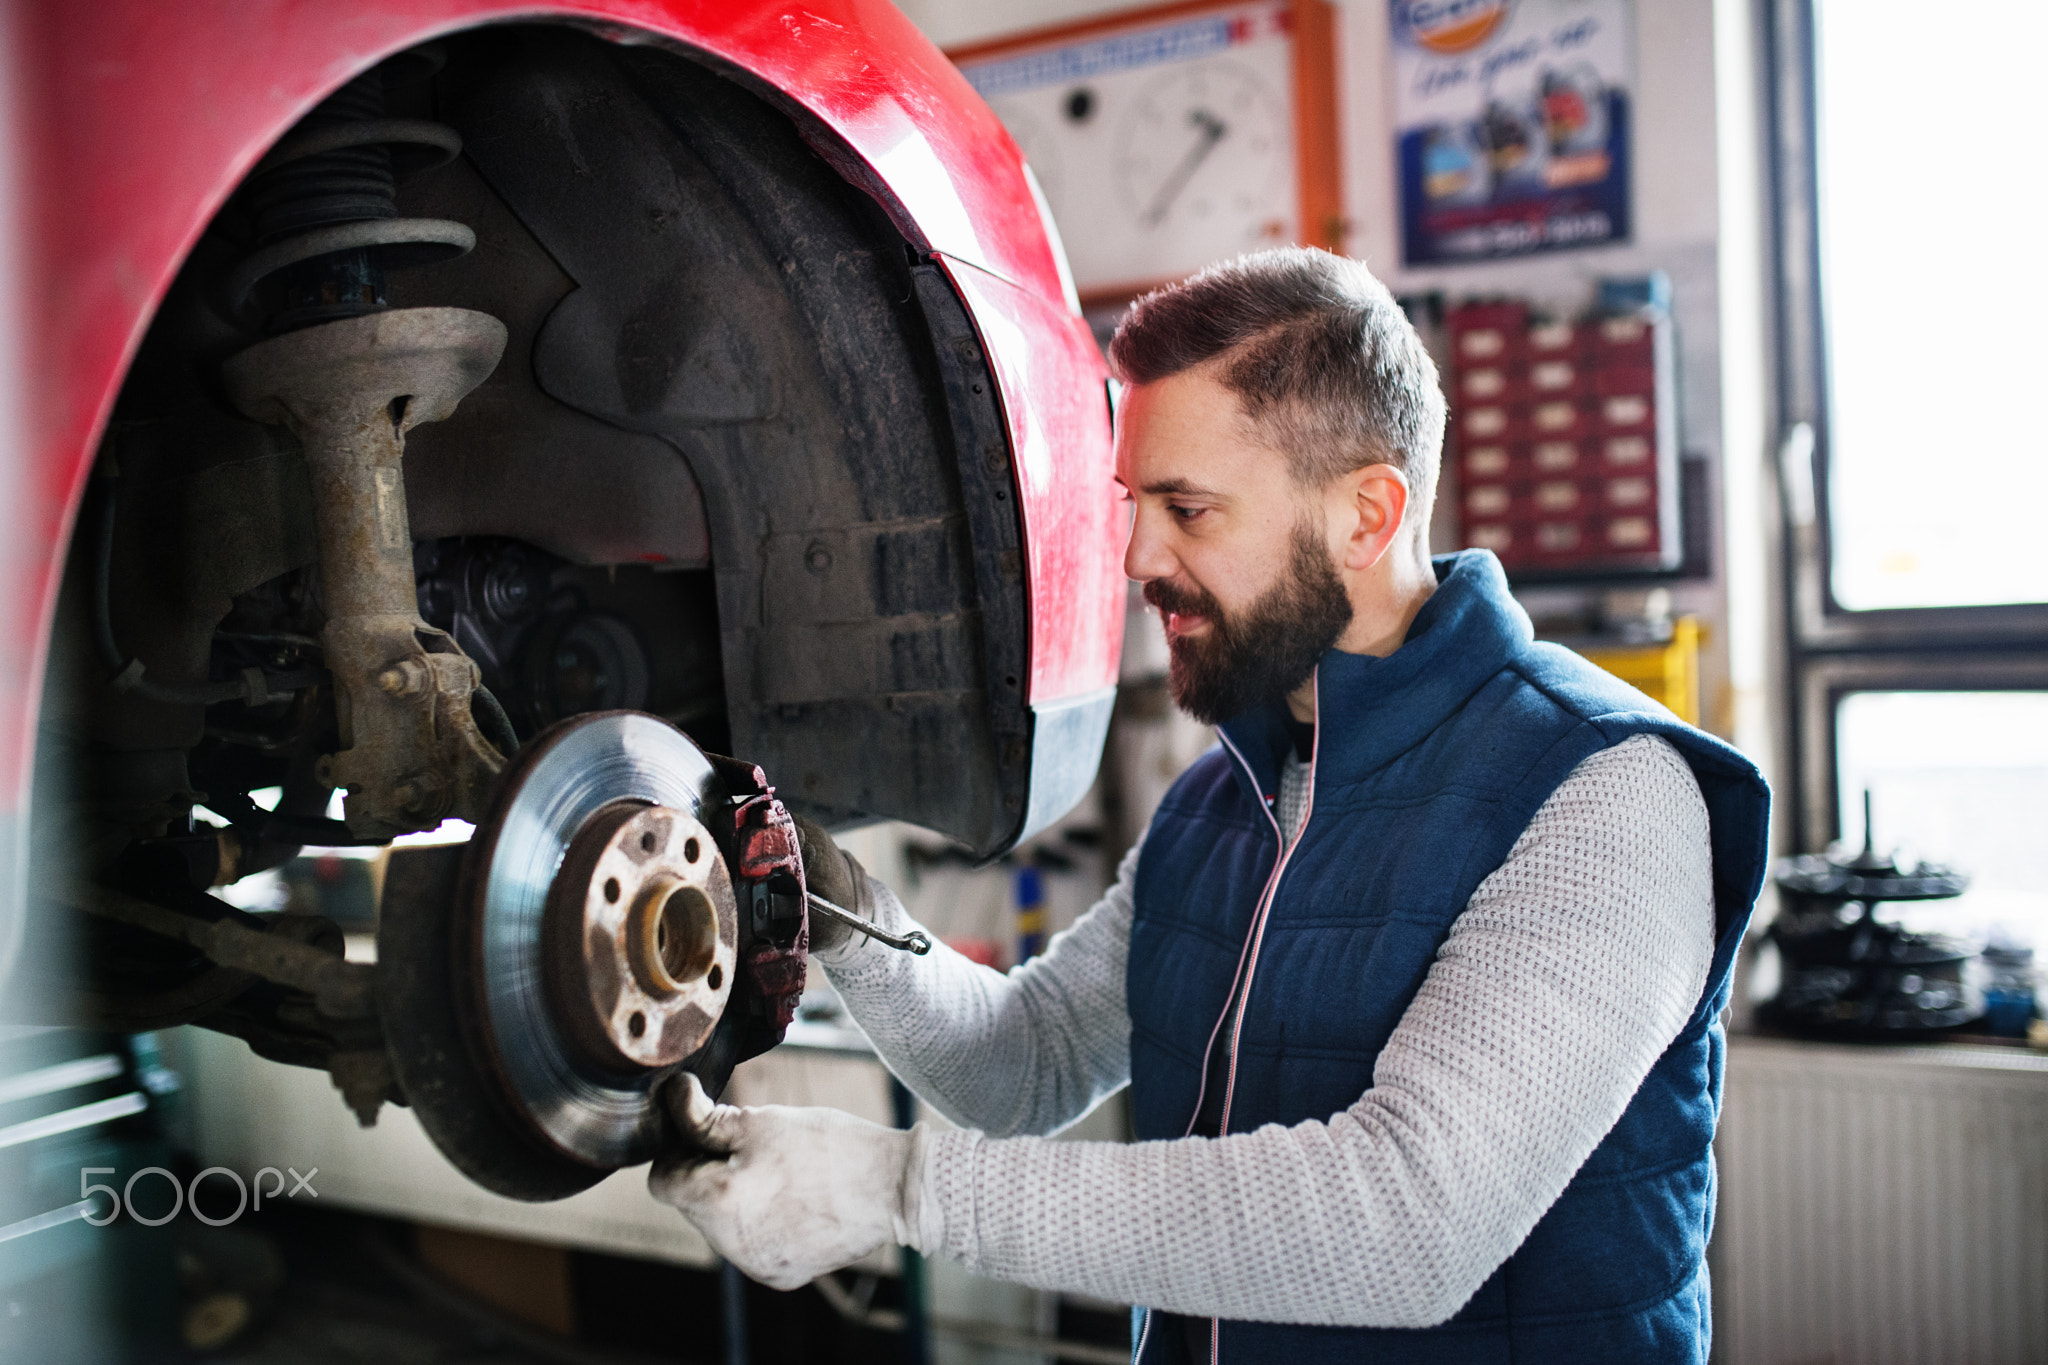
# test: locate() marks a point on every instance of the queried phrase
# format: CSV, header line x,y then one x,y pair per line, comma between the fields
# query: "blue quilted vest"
x,y
1429,764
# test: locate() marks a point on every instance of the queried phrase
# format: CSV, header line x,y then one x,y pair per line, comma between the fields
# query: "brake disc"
x,y
587,952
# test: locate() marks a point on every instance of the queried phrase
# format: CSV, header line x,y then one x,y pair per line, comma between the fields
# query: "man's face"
x,y
1229,549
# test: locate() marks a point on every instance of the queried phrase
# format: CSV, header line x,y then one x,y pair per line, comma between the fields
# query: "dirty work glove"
x,y
787,1194
835,874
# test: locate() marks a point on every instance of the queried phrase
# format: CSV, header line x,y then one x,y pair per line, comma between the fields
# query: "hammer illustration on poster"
x,y
1512,118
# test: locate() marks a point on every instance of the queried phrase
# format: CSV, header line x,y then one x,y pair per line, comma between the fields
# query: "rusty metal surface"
x,y
642,932
341,988
332,1017
411,754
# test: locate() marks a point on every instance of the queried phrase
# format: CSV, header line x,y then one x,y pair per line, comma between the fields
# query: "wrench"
x,y
916,941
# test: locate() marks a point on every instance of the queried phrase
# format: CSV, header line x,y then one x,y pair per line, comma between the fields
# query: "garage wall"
x,y
1678,217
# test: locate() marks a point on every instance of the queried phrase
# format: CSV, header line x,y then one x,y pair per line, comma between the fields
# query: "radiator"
x,y
1882,1206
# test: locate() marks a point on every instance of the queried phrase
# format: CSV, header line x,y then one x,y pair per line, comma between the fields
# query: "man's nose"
x,y
1146,557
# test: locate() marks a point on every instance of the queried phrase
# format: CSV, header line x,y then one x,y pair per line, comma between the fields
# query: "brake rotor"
x,y
586,953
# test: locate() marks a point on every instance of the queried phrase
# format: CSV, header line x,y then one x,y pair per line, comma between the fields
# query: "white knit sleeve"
x,y
1028,1051
1569,972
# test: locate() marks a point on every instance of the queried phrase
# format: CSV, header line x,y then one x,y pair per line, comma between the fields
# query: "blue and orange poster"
x,y
1513,126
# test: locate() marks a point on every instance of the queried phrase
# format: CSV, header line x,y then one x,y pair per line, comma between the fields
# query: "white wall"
x,y
956,23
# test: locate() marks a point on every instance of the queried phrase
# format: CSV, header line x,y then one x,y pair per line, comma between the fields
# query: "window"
x,y
1963,778
1934,301
1913,329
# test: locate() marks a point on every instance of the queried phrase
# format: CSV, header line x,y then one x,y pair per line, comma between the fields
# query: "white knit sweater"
x,y
1571,969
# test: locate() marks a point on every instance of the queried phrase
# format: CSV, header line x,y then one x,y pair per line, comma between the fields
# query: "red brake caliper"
x,y
768,879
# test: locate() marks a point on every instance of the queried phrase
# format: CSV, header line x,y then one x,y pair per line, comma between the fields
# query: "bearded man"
x,y
1415,978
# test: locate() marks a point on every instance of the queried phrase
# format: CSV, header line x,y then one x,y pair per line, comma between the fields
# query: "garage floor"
x,y
356,1291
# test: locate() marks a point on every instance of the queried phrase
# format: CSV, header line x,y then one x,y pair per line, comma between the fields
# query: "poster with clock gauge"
x,y
1168,138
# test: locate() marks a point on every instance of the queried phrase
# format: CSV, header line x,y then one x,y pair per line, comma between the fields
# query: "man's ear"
x,y
1378,510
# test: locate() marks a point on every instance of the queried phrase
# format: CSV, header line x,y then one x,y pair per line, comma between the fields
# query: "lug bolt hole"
x,y
690,851
637,1025
648,841
717,977
611,890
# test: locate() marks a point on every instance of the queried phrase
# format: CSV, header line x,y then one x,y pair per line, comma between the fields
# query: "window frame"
x,y
1828,678
1831,650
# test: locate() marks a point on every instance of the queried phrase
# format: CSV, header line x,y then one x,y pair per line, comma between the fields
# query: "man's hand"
x,y
834,874
786,1194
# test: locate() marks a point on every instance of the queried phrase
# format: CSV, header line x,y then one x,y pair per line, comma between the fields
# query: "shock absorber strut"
x,y
349,376
325,203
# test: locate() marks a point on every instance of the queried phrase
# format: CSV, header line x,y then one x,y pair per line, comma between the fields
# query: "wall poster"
x,y
1513,125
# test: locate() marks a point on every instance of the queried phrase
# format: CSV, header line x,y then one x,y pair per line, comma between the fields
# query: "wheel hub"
x,y
641,933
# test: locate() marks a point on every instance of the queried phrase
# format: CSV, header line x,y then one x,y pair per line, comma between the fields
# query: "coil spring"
x,y
325,202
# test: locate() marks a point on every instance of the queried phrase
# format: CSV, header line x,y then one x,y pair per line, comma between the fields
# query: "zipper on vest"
x,y
1248,956
1243,995
1237,973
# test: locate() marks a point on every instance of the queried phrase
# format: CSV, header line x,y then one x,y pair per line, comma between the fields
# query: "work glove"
x,y
830,871
787,1194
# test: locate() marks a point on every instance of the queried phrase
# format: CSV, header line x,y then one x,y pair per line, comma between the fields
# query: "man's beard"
x,y
1268,651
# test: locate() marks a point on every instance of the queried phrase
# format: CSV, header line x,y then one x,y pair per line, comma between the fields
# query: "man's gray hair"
x,y
1329,369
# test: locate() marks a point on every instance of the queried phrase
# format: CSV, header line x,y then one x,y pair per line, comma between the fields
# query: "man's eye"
x,y
1185,513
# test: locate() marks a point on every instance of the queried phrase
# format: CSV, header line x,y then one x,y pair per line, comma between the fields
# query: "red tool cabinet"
x,y
1565,439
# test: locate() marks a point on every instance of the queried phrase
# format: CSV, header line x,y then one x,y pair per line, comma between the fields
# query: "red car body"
x,y
132,121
